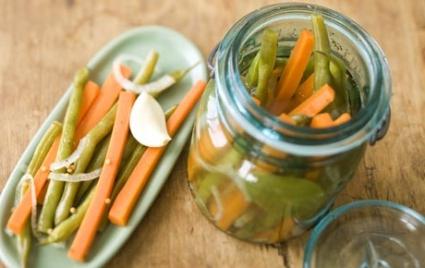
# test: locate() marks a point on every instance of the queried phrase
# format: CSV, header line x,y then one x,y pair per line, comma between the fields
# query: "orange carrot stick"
x,y
91,90
256,100
322,120
344,118
129,194
107,96
316,102
303,92
42,195
233,204
293,71
286,118
86,233
22,211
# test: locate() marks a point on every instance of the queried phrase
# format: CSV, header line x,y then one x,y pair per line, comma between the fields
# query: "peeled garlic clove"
x,y
147,122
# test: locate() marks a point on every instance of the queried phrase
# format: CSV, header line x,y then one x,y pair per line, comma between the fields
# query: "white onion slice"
x,y
147,122
29,178
72,158
75,177
154,87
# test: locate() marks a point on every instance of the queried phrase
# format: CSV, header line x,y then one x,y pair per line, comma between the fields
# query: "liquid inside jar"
x,y
254,191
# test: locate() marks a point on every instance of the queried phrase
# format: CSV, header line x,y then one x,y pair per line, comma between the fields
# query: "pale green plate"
x,y
176,52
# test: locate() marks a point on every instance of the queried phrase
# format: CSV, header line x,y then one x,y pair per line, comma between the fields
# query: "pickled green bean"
x,y
147,70
309,69
268,51
271,86
95,163
252,76
129,147
43,147
322,51
66,228
281,62
345,97
55,188
95,135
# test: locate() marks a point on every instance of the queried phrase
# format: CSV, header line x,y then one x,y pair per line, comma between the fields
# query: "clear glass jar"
x,y
258,178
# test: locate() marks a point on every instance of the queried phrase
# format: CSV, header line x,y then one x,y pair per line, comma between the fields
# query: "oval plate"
x,y
176,52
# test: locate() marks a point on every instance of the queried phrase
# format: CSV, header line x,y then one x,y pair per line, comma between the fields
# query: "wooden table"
x,y
43,42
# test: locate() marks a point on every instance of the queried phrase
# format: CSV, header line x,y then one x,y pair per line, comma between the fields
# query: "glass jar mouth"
x,y
266,127
346,210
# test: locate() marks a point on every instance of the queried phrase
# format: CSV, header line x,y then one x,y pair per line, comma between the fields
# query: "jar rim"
x,y
302,140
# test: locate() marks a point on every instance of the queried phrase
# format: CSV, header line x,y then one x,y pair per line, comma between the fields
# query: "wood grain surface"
x,y
43,42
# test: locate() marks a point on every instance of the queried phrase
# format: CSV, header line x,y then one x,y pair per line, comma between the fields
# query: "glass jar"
x,y
261,179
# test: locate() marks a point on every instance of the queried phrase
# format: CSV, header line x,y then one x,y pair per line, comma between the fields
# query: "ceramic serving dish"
x,y
176,52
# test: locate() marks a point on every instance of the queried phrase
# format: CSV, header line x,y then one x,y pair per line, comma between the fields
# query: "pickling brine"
x,y
284,123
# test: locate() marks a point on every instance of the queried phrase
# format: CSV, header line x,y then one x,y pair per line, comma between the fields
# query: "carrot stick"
x,y
286,118
343,118
91,90
233,204
316,102
322,120
256,100
107,96
87,231
129,194
22,211
293,71
304,91
40,197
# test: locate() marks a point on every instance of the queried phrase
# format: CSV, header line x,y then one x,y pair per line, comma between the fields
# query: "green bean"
x,y
43,147
252,75
266,63
129,147
95,135
179,74
95,163
66,228
281,62
146,72
271,86
23,240
127,167
322,51
309,69
343,88
55,188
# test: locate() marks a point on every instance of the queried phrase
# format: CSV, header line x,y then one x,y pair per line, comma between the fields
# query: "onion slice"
x,y
30,179
147,122
75,177
72,158
154,87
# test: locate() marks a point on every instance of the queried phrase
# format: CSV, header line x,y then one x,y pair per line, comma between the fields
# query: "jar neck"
x,y
361,53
